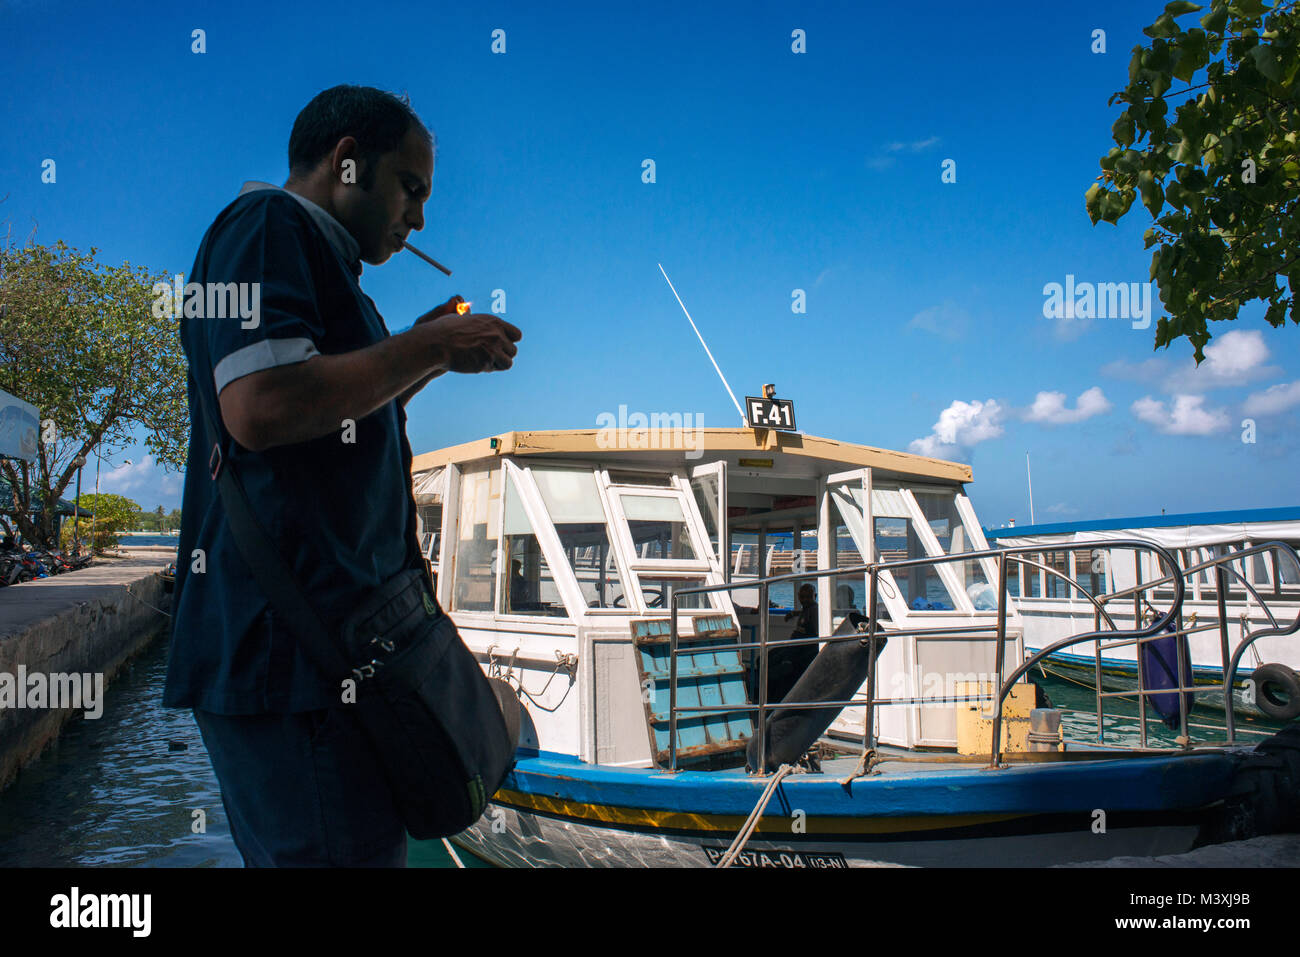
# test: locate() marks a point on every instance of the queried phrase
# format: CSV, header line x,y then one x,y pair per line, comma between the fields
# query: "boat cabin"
x,y
549,547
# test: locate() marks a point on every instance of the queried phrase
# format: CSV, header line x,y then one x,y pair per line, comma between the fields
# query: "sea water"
x,y
123,790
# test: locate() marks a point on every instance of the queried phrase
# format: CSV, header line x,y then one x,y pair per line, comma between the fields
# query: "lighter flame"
x,y
463,307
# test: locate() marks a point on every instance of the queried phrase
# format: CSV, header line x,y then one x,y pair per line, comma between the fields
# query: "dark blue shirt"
x,y
339,506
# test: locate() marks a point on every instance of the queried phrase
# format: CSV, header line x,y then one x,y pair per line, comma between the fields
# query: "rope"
x,y
752,821
145,603
452,851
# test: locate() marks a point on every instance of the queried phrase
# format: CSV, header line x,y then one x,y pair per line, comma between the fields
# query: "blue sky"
x,y
774,171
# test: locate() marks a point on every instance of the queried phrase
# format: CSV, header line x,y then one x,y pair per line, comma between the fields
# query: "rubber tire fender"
x,y
1274,676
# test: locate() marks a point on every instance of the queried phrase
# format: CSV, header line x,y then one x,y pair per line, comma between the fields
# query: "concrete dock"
x,y
88,622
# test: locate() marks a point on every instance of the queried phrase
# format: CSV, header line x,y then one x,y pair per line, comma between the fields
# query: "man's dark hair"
x,y
377,120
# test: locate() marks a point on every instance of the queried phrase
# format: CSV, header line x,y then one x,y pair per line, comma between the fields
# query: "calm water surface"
x,y
121,790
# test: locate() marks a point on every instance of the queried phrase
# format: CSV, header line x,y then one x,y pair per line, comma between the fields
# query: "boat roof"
x,y
800,454
1229,517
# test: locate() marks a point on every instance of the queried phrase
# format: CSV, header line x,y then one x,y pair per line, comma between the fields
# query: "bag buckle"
x,y
367,670
215,461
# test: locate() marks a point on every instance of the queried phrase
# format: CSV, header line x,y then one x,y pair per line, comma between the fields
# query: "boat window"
x,y
850,591
474,586
651,479
1033,587
1090,570
426,489
744,554
1260,574
1056,586
529,587
705,490
430,518
573,502
940,510
1288,570
658,591
896,540
658,527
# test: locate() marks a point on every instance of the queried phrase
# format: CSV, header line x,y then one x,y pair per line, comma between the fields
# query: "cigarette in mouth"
x,y
427,258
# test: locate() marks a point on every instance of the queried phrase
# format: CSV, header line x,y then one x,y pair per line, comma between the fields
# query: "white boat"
x,y
1261,587
617,582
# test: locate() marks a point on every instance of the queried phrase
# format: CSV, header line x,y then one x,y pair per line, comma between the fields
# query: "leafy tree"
x,y
1221,177
114,514
80,342
174,519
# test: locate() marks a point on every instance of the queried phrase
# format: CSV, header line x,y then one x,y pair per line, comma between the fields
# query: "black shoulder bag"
x,y
444,734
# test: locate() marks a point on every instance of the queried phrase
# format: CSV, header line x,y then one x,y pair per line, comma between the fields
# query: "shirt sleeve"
x,y
261,260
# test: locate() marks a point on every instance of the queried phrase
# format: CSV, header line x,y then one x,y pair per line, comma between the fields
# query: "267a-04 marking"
x,y
779,858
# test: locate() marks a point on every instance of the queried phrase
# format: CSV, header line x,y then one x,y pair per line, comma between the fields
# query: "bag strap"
x,y
262,556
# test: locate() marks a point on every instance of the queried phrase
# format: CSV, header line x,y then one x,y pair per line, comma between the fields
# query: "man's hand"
x,y
448,308
475,342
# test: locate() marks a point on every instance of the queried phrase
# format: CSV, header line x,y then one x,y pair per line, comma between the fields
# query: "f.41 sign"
x,y
770,413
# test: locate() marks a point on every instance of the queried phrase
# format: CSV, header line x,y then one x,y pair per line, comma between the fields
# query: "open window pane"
x,y
430,519
744,554
705,490
658,528
474,588
940,511
896,540
573,502
530,587
658,592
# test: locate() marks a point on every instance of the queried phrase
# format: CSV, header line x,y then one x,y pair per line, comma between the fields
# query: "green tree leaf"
x,y
80,342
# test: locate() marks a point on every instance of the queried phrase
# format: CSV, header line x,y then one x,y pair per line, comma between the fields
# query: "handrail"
x,y
872,570
1222,565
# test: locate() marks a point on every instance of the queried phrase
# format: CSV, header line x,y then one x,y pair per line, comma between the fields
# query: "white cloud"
x,y
886,156
1060,508
126,478
1068,330
1235,358
914,147
947,320
1149,370
1049,407
1186,417
961,427
1274,399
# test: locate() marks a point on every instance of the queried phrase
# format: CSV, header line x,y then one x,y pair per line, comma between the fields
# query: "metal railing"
x,y
1156,629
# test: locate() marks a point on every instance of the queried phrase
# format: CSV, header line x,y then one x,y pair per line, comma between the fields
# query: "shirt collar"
x,y
338,237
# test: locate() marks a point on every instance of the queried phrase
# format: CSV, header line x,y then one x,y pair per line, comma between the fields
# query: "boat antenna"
x,y
743,418
1030,476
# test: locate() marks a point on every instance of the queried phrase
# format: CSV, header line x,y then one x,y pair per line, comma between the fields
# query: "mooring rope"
x,y
752,821
452,851
127,589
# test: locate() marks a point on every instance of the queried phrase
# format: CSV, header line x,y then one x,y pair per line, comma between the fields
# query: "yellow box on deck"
x,y
975,718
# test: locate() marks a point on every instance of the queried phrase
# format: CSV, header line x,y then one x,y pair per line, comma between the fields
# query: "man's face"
x,y
381,216
806,594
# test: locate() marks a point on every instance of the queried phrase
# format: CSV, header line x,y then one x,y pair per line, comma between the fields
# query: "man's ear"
x,y
346,164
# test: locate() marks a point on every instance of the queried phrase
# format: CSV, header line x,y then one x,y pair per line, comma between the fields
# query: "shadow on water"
x,y
122,790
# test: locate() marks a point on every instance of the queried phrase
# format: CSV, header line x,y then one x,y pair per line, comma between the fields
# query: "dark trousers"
x,y
303,790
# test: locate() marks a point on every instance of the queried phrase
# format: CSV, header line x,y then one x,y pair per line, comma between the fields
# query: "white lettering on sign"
x,y
770,413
